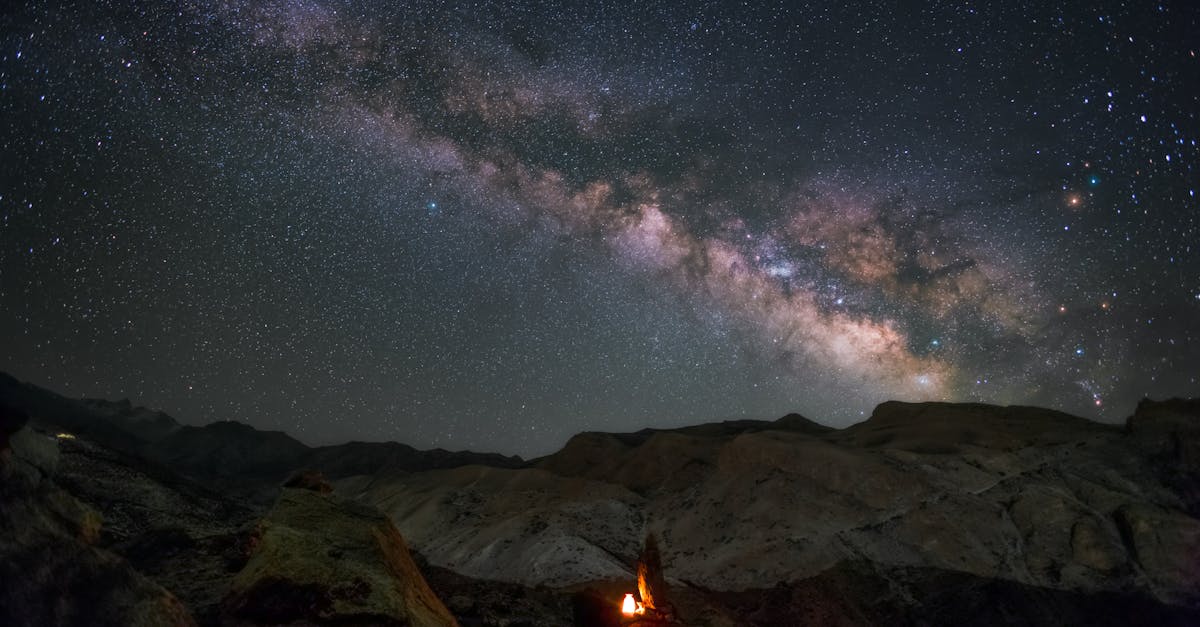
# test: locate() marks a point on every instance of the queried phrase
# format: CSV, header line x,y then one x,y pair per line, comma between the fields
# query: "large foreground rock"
x,y
318,559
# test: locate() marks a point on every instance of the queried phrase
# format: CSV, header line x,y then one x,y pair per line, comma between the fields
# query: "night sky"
x,y
493,225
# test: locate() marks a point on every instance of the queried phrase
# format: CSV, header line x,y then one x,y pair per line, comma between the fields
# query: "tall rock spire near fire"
x,y
652,586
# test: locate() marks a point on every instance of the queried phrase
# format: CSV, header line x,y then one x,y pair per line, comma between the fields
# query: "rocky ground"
x,y
923,514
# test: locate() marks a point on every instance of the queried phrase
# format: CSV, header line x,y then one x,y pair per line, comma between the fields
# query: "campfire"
x,y
649,605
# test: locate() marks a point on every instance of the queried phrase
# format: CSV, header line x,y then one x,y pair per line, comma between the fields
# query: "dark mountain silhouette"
x,y
226,454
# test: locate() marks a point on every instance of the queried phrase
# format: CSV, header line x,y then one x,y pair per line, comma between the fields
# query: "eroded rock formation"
x,y
317,558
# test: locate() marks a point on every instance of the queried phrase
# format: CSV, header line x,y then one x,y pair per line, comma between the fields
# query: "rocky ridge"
x,y
925,513
91,535
1025,495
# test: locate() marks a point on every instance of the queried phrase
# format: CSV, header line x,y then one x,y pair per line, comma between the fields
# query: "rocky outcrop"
x,y
1166,545
52,572
318,559
62,565
652,582
180,534
1168,434
1028,496
1170,429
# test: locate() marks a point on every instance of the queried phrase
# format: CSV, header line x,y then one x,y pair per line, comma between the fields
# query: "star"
x,y
492,219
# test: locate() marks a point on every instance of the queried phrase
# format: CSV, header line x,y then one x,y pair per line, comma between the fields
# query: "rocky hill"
x,y
1025,497
924,513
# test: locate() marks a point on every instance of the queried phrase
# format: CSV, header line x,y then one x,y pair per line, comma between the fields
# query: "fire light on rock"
x,y
652,588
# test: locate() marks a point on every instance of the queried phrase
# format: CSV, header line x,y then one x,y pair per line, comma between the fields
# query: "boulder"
x,y
1166,544
1092,546
317,558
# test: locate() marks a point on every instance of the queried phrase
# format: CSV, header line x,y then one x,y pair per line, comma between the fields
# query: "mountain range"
x,y
929,513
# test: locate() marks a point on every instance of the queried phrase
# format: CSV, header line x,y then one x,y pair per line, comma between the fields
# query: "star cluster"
x,y
492,225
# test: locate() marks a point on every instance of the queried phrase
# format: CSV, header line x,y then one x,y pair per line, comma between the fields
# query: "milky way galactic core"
x,y
493,225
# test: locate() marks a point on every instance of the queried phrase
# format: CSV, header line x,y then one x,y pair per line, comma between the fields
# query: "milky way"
x,y
491,226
